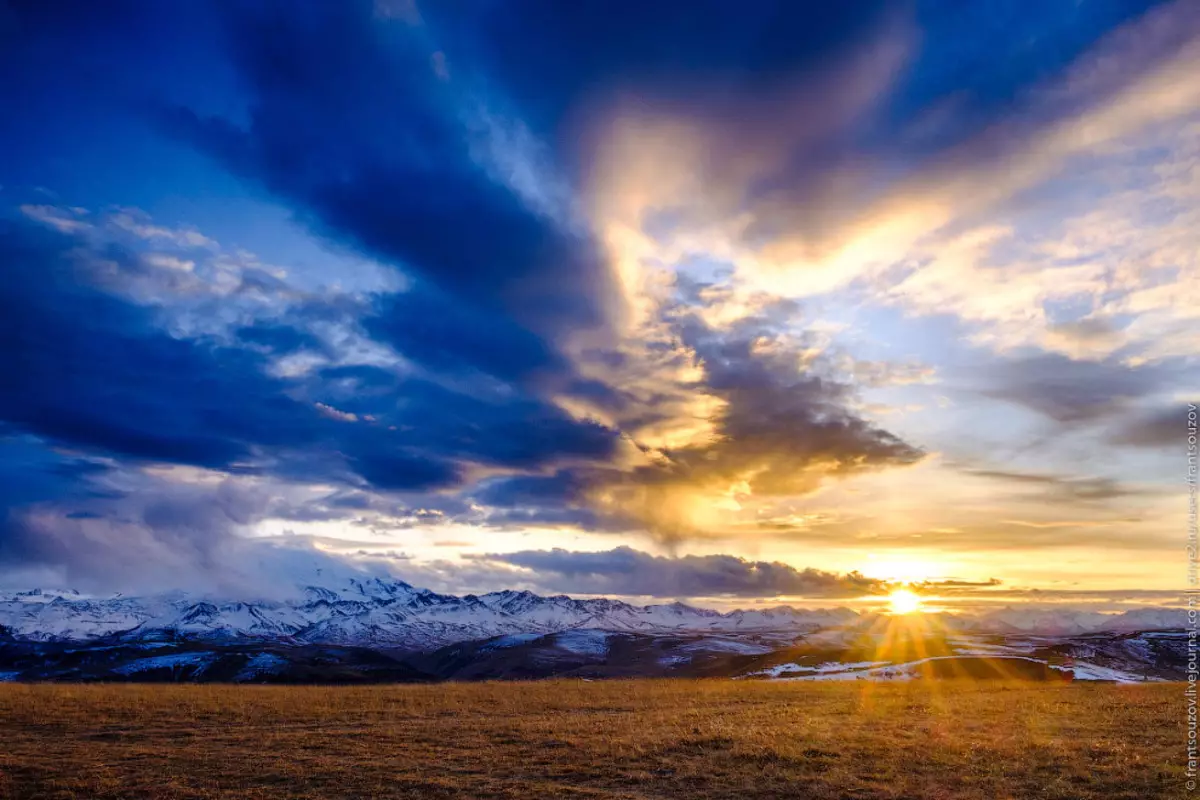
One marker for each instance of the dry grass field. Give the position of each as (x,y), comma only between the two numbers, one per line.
(576,739)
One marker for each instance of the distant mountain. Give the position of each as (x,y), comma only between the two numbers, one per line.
(373,612)
(365,629)
(1034,619)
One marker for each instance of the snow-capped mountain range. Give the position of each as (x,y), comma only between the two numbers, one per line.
(371,612)
(390,614)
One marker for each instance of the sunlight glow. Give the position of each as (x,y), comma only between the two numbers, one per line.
(904,602)
(901,569)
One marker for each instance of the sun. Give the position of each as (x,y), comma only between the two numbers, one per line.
(904,602)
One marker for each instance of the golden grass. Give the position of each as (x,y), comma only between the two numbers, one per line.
(575,739)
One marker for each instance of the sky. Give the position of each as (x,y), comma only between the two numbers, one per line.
(737,302)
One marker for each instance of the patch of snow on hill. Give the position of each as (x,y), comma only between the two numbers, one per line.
(584,642)
(259,665)
(727,646)
(828,667)
(512,640)
(174,661)
(1093,672)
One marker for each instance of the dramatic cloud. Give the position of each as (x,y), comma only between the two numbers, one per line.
(348,122)
(777,430)
(92,371)
(1069,391)
(89,370)
(625,571)
(843,280)
(501,301)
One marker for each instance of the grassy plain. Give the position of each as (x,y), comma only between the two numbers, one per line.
(576,739)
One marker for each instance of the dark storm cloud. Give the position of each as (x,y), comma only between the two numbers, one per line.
(552,56)
(1072,392)
(779,430)
(443,335)
(163,535)
(391,471)
(85,369)
(350,124)
(532,490)
(487,422)
(32,474)
(782,429)
(559,499)
(625,571)
(91,531)
(778,419)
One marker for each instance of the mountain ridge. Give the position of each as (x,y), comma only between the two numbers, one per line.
(382,613)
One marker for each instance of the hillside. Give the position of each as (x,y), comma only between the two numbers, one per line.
(707,740)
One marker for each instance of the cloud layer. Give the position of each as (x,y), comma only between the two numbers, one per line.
(628,572)
(855,277)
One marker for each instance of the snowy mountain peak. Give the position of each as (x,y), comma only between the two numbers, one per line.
(382,612)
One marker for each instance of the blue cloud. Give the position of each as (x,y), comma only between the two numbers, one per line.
(453,154)
(90,370)
(349,125)
(625,571)
(448,335)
